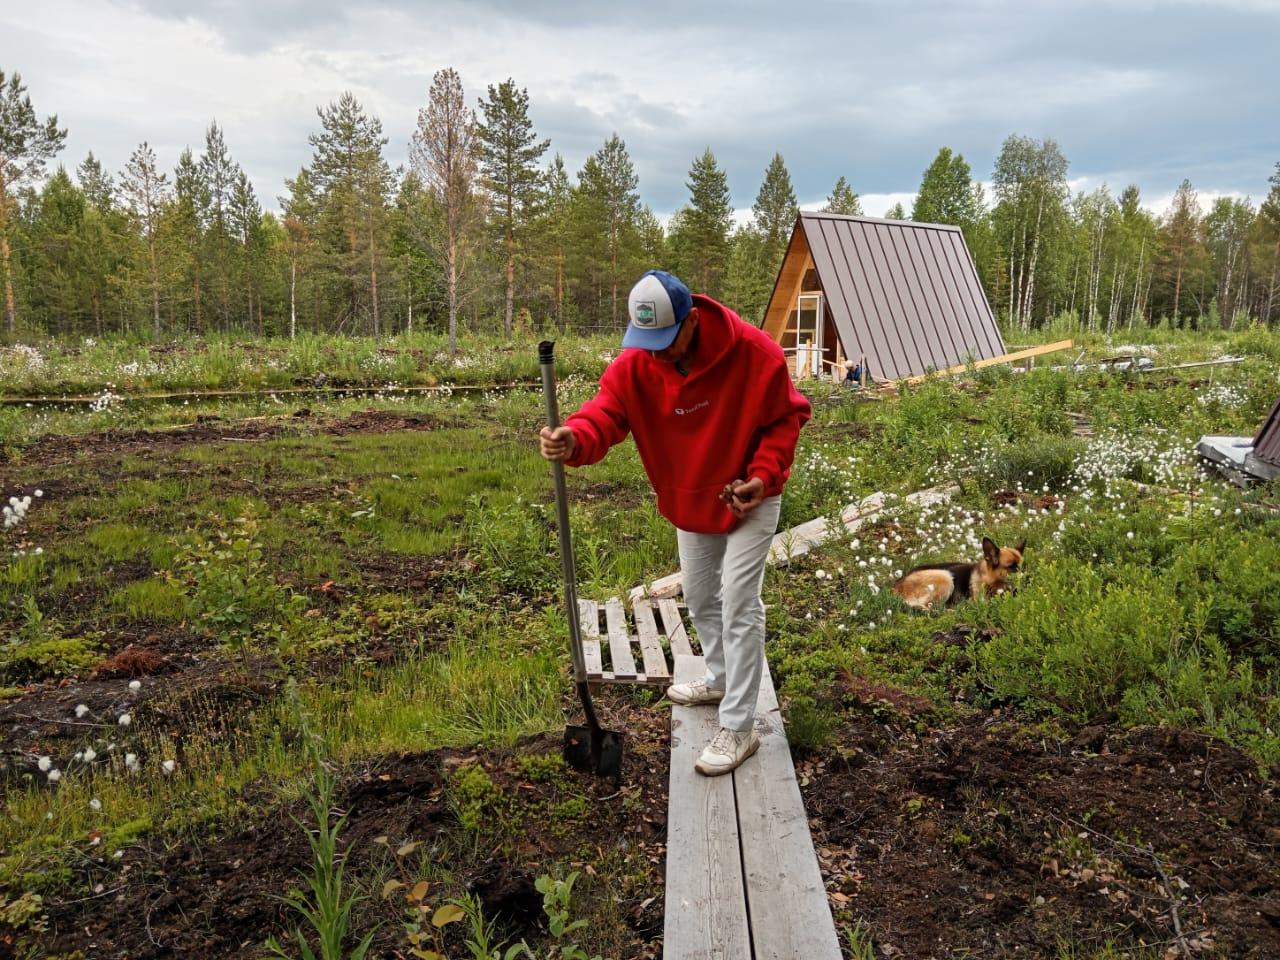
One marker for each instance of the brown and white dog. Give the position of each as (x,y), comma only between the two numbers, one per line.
(937,584)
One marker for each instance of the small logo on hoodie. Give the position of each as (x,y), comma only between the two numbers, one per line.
(681,411)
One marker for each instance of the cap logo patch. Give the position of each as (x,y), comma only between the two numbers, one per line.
(646,314)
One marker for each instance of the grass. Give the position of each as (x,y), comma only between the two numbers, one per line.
(1148,627)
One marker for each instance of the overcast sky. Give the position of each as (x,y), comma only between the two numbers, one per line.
(1135,92)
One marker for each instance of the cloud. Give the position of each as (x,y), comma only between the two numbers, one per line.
(1134,92)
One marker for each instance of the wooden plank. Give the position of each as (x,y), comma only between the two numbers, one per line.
(790,916)
(624,666)
(589,623)
(673,624)
(706,916)
(991,361)
(655,661)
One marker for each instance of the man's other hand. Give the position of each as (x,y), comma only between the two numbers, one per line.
(747,495)
(557,444)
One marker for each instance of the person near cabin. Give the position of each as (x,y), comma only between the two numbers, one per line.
(853,374)
(715,417)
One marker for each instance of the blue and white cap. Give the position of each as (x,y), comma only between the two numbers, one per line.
(658,305)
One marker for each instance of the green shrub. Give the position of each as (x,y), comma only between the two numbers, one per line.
(1077,643)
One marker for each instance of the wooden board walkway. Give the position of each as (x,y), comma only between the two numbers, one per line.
(742,878)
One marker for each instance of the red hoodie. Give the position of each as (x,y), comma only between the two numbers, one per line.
(736,415)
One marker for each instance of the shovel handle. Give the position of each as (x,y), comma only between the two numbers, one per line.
(547,361)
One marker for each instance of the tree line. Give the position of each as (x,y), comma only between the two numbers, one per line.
(484,229)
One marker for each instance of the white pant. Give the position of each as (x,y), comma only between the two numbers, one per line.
(722,575)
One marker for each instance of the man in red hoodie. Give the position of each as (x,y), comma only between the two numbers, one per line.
(715,417)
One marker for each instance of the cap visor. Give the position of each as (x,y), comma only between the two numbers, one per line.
(646,339)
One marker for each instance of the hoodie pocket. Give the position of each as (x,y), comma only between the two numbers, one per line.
(697,509)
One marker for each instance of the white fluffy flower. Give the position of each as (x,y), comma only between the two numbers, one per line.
(44,763)
(55,776)
(131,761)
(169,766)
(89,754)
(81,709)
(125,720)
(135,685)
(95,803)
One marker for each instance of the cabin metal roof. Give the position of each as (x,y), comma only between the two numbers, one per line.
(1266,445)
(904,293)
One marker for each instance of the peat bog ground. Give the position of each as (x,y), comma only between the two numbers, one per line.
(1085,768)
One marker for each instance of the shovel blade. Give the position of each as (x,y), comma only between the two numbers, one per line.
(596,751)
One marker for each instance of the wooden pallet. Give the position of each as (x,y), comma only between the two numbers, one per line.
(640,649)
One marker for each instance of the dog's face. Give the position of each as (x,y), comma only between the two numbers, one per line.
(1000,563)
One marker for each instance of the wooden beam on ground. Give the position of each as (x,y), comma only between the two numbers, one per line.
(790,916)
(624,666)
(589,623)
(655,661)
(991,361)
(705,914)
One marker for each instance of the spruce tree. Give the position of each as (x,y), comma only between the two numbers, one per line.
(775,212)
(610,207)
(843,200)
(705,224)
(896,212)
(509,155)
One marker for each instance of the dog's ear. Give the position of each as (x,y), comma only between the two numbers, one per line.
(1022,547)
(990,551)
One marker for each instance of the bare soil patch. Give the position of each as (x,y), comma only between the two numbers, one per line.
(992,838)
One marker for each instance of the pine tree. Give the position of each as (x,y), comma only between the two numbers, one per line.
(896,212)
(353,182)
(509,155)
(775,212)
(1180,246)
(26,145)
(444,155)
(843,200)
(146,191)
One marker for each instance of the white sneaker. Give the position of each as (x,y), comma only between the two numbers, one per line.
(692,694)
(726,751)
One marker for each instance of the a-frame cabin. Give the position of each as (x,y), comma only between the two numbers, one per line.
(902,295)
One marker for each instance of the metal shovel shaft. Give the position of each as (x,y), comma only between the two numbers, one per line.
(546,359)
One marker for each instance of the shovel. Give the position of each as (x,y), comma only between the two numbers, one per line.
(591,749)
